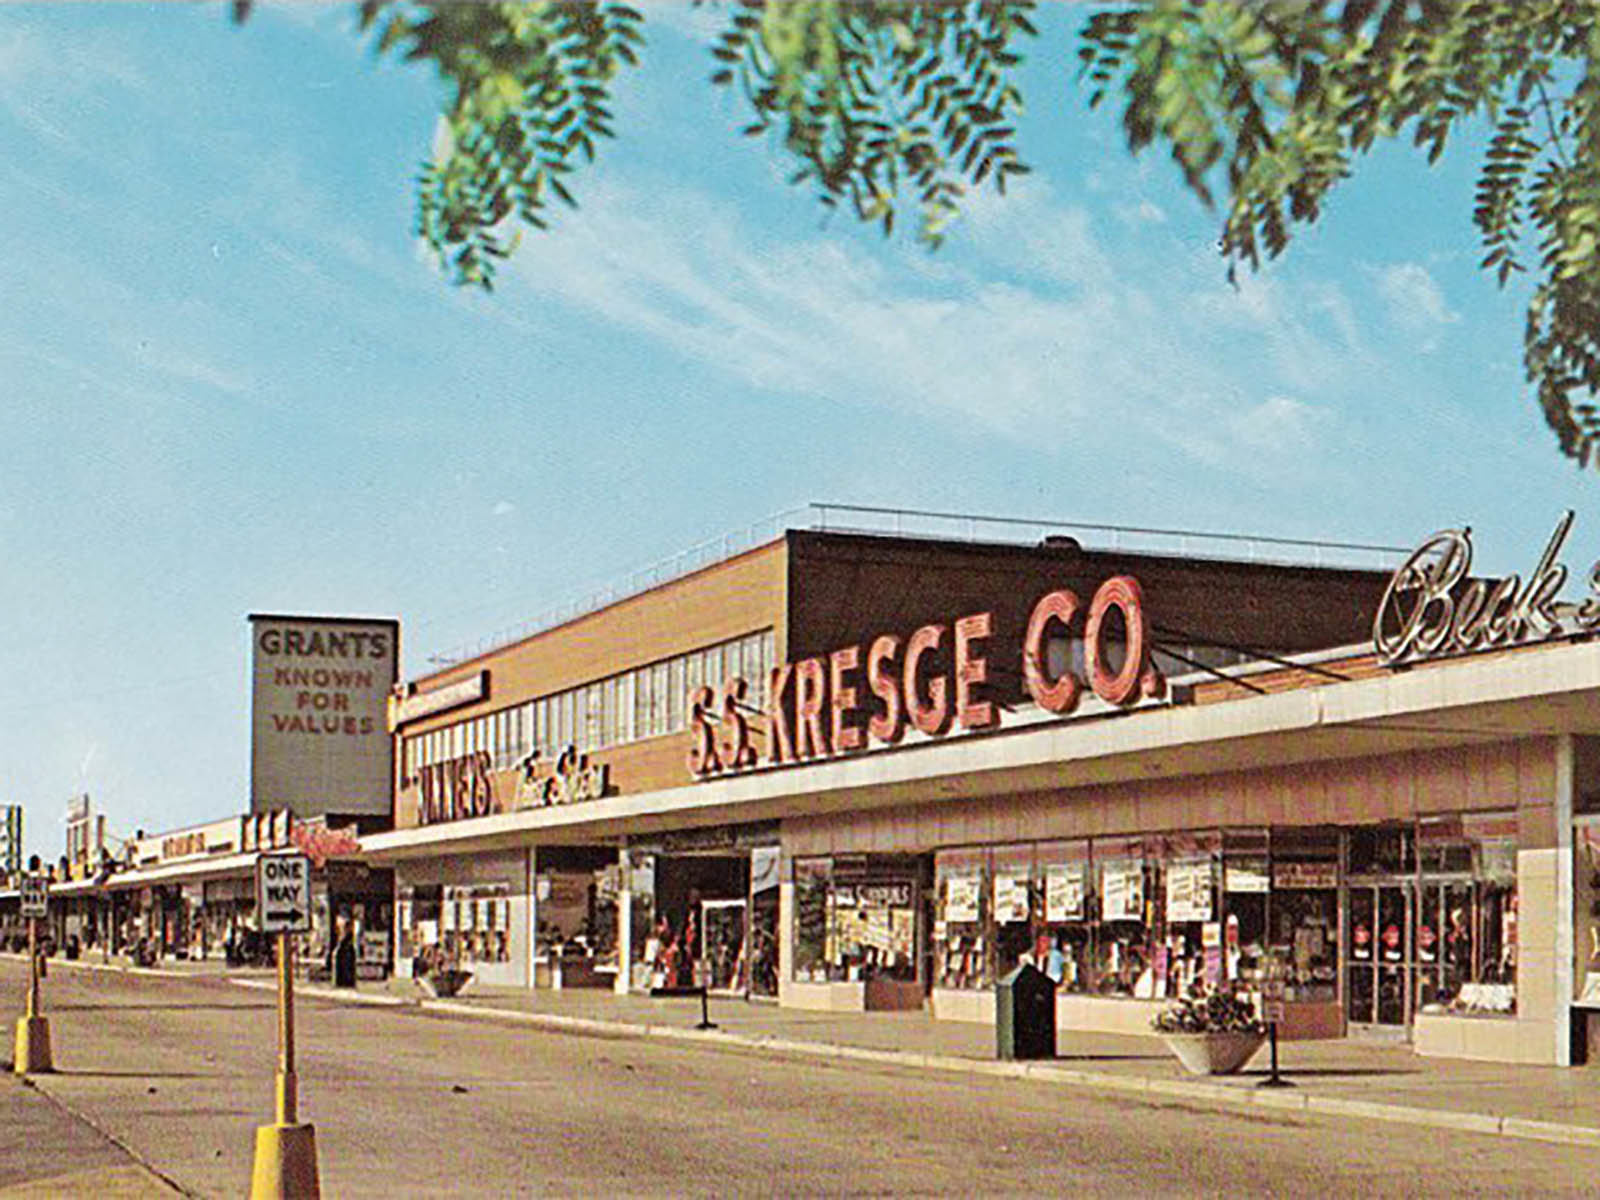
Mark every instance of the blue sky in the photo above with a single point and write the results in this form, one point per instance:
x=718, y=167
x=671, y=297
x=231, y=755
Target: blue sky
x=231, y=382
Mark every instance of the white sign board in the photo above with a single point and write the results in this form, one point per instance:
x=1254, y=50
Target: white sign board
x=319, y=737
x=35, y=895
x=283, y=893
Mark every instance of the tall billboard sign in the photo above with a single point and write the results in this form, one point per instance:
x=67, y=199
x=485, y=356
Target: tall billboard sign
x=10, y=839
x=319, y=741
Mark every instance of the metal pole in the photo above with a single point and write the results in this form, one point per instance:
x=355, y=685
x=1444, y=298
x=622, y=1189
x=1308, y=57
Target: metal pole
x=287, y=1101
x=33, y=967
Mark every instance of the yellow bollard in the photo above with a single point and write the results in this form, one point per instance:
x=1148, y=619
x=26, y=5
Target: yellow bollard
x=286, y=1151
x=33, y=1030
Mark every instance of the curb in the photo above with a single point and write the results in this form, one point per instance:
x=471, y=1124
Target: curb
x=1155, y=1091
x=317, y=992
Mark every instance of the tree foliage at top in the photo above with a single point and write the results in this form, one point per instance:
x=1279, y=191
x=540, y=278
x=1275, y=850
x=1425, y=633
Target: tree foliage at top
x=1264, y=105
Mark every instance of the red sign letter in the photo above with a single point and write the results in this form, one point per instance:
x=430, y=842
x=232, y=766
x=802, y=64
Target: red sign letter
x=972, y=671
x=810, y=685
x=889, y=725
x=932, y=715
x=1059, y=695
x=847, y=733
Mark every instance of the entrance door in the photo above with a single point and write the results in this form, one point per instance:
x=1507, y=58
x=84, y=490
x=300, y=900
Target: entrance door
x=1380, y=969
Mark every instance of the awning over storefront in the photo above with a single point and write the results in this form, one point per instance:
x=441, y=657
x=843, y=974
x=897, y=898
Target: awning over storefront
x=1546, y=690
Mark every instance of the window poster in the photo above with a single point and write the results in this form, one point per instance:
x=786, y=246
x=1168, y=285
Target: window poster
x=1249, y=877
x=1189, y=890
x=1122, y=891
x=961, y=897
x=1063, y=893
x=1010, y=897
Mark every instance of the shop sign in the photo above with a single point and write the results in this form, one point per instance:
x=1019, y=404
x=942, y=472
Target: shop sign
x=10, y=839
x=1247, y=878
x=265, y=831
x=571, y=779
x=183, y=845
x=319, y=843
x=456, y=789
x=887, y=894
x=817, y=707
x=1305, y=875
x=1433, y=608
x=319, y=691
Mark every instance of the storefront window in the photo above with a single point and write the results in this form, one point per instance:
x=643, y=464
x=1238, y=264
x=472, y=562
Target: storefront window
x=1123, y=947
x=1246, y=885
x=811, y=884
x=874, y=934
x=1187, y=951
x=961, y=950
x=1066, y=884
x=1383, y=850
x=1586, y=915
x=1466, y=926
x=1013, y=904
x=1304, y=915
x=855, y=920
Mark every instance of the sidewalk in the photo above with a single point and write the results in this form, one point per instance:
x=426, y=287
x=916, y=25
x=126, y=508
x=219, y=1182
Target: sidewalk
x=1347, y=1078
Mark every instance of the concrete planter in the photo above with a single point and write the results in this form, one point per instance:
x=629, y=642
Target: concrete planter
x=1213, y=1053
x=444, y=984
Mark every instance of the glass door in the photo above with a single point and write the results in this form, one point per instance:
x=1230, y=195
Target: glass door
x=1380, y=972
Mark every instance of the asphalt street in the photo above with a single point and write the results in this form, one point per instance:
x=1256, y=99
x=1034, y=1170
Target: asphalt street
x=179, y=1072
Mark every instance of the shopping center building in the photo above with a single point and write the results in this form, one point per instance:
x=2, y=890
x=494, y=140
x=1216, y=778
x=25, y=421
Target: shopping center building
x=1143, y=769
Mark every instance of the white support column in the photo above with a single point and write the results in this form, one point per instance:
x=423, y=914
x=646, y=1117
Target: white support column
x=624, y=923
x=531, y=908
x=1566, y=787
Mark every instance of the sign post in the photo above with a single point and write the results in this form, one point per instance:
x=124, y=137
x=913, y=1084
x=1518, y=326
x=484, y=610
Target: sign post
x=1272, y=1005
x=286, y=1151
x=33, y=1030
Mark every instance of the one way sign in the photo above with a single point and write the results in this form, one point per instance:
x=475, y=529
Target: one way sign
x=283, y=893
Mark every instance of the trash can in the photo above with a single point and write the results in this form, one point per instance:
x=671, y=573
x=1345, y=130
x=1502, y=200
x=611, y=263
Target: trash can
x=1025, y=1014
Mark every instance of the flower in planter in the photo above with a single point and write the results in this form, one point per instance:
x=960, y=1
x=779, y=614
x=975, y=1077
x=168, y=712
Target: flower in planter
x=1208, y=1012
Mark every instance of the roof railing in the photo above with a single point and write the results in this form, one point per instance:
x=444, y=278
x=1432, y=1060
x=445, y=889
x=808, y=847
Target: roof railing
x=932, y=525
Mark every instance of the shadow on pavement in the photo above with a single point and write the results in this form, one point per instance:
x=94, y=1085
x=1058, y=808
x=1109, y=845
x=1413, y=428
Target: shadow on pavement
x=73, y=1074
x=55, y=1008
x=1333, y=1072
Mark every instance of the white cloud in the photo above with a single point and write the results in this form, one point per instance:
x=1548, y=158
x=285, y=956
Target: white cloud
x=503, y=508
x=1067, y=340
x=1413, y=297
x=1279, y=424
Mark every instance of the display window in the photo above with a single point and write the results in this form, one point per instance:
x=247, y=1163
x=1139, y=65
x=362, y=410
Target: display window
x=855, y=920
x=812, y=879
x=1303, y=915
x=1123, y=958
x=1187, y=952
x=1246, y=888
x=961, y=945
x=1066, y=887
x=1586, y=914
x=1466, y=915
x=1016, y=902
